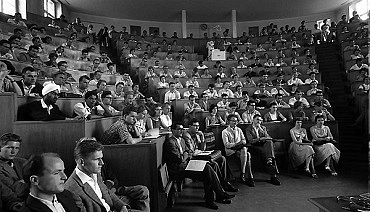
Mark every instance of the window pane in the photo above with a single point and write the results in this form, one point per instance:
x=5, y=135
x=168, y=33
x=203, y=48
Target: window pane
x=362, y=7
x=9, y=6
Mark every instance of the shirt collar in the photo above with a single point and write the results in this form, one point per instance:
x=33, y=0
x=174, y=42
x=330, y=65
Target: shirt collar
x=55, y=200
x=44, y=105
x=84, y=177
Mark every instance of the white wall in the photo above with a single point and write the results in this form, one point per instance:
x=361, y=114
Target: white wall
x=99, y=21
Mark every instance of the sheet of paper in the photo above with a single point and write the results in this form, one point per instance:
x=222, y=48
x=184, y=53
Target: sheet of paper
x=205, y=153
x=196, y=165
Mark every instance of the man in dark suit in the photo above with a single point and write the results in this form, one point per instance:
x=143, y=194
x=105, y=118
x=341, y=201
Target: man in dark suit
x=89, y=192
x=45, y=109
x=259, y=138
x=45, y=175
x=28, y=84
x=11, y=166
x=176, y=156
x=8, y=200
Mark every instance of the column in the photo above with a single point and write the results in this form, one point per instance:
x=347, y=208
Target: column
x=183, y=23
x=233, y=23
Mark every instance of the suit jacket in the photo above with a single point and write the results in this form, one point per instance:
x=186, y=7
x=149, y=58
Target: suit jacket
x=10, y=177
x=251, y=134
x=7, y=198
x=87, y=200
x=37, y=89
x=176, y=162
x=65, y=198
x=33, y=111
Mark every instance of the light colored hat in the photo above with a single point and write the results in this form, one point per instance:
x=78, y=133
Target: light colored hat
x=49, y=87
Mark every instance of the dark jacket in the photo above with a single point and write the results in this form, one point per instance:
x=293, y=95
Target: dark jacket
x=37, y=89
x=33, y=111
x=11, y=177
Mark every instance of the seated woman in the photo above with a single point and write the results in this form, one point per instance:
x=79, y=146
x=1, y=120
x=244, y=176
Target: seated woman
x=298, y=112
x=155, y=118
x=143, y=123
x=274, y=115
x=162, y=82
x=323, y=145
x=300, y=150
x=7, y=83
x=218, y=83
x=214, y=118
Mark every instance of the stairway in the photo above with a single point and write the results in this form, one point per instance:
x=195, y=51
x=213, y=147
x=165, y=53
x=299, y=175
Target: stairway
x=353, y=145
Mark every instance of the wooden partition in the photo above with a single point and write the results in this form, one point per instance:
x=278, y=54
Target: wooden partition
x=58, y=136
x=138, y=164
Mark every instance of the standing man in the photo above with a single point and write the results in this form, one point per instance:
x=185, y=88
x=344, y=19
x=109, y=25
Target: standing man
x=11, y=165
x=45, y=175
x=259, y=138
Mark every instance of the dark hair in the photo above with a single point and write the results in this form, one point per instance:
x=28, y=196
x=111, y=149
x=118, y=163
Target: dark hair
x=33, y=47
x=257, y=115
x=5, y=138
x=105, y=94
x=83, y=77
x=100, y=82
x=250, y=102
x=120, y=83
x=272, y=104
x=84, y=51
x=60, y=63
x=229, y=117
x=192, y=121
x=232, y=104
x=129, y=109
x=9, y=66
x=212, y=107
x=110, y=64
x=28, y=68
x=35, y=165
x=318, y=117
x=4, y=41
x=89, y=94
x=297, y=104
x=13, y=37
x=35, y=38
x=85, y=147
x=141, y=108
x=53, y=54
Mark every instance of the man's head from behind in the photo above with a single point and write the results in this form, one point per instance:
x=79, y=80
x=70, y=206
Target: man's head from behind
x=9, y=144
x=88, y=155
x=45, y=174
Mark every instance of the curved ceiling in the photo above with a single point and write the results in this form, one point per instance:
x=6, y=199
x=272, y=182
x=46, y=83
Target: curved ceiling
x=203, y=10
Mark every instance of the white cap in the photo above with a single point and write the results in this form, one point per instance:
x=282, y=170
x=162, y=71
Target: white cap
x=49, y=87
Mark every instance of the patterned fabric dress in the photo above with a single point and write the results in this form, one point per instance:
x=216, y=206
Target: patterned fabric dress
x=298, y=154
x=326, y=150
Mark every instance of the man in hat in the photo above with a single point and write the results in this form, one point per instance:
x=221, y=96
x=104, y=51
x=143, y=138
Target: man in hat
x=45, y=109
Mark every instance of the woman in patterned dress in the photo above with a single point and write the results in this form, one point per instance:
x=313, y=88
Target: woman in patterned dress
x=323, y=145
x=300, y=150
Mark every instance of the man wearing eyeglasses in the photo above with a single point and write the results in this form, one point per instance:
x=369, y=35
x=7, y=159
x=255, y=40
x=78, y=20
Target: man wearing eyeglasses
x=298, y=98
x=177, y=157
x=5, y=50
x=45, y=109
x=259, y=138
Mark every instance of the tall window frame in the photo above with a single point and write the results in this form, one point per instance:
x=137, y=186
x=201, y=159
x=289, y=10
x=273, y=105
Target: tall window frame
x=50, y=9
x=362, y=7
x=8, y=6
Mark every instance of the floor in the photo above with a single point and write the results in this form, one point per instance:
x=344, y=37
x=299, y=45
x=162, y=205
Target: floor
x=292, y=195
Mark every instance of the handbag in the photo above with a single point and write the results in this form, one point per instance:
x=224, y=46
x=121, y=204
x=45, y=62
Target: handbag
x=216, y=154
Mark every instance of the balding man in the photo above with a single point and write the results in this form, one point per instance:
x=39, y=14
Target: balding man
x=45, y=175
x=45, y=109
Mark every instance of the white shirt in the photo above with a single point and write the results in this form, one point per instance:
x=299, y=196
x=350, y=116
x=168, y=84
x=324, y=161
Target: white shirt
x=93, y=183
x=171, y=95
x=82, y=110
x=302, y=99
x=44, y=105
x=53, y=205
x=166, y=120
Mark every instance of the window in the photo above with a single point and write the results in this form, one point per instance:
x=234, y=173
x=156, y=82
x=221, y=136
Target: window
x=8, y=6
x=362, y=8
x=49, y=9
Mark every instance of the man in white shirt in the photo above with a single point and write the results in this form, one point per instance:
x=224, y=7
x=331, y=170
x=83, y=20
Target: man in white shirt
x=45, y=175
x=211, y=92
x=201, y=66
x=359, y=65
x=166, y=118
x=235, y=145
x=298, y=97
x=190, y=92
x=172, y=94
x=226, y=90
x=87, y=109
x=251, y=111
x=86, y=184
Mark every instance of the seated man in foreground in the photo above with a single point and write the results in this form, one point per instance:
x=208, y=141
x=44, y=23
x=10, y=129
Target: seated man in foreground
x=177, y=158
x=45, y=175
x=86, y=183
x=259, y=138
